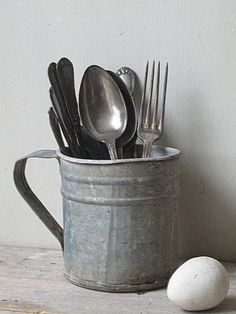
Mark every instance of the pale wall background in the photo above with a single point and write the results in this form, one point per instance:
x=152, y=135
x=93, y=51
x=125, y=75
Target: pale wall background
x=197, y=38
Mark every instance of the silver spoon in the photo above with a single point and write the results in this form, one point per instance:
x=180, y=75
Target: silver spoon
x=130, y=129
x=128, y=77
x=102, y=107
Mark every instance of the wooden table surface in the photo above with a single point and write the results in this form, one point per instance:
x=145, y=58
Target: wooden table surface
x=32, y=281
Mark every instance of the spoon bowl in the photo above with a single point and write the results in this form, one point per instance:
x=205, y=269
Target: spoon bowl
x=102, y=107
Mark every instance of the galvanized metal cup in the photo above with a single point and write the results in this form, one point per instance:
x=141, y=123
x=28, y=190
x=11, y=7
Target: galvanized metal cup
x=119, y=218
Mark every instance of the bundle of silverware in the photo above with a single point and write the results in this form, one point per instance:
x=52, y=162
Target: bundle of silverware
x=102, y=123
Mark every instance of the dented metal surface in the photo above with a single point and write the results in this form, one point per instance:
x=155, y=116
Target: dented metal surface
x=119, y=219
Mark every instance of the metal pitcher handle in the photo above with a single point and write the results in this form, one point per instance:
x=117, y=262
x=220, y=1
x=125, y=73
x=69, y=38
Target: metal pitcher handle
x=29, y=196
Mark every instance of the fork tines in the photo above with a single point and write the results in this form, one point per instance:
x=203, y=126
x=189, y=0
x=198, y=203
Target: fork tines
x=149, y=128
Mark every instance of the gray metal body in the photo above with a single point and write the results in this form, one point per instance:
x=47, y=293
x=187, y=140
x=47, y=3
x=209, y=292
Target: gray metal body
x=119, y=218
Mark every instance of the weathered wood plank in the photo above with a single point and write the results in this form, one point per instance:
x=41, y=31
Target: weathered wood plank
x=32, y=281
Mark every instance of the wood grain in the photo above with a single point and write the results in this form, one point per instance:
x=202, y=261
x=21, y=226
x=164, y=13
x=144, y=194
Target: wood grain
x=32, y=281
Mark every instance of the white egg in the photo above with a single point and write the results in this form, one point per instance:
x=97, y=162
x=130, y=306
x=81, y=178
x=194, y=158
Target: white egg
x=199, y=284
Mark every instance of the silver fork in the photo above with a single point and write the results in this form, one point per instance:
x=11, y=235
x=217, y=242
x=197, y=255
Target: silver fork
x=149, y=128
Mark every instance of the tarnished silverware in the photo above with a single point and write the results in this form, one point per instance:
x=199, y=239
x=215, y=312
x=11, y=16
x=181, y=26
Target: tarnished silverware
x=149, y=128
x=128, y=77
x=60, y=107
x=131, y=125
x=102, y=107
x=56, y=130
x=65, y=74
x=93, y=148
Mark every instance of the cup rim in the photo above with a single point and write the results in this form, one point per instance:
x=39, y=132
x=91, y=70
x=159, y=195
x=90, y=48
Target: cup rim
x=171, y=153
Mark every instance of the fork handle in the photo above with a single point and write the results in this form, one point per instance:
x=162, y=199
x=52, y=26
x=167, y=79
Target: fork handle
x=146, y=150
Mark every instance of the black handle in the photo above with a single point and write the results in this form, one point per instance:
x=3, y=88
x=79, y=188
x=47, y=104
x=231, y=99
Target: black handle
x=58, y=101
x=53, y=120
x=29, y=196
x=65, y=72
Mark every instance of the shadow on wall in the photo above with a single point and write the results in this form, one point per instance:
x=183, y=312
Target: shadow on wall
x=206, y=222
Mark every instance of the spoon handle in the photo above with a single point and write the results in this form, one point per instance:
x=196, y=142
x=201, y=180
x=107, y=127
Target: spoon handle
x=58, y=96
x=112, y=150
x=62, y=123
x=122, y=142
x=56, y=129
x=119, y=150
x=65, y=72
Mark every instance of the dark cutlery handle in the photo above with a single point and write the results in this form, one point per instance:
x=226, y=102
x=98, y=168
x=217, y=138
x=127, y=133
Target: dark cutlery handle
x=29, y=196
x=97, y=149
x=56, y=129
x=65, y=132
x=65, y=72
x=53, y=77
x=130, y=147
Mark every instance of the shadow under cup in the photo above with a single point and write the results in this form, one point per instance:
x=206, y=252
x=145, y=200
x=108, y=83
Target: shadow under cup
x=119, y=218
